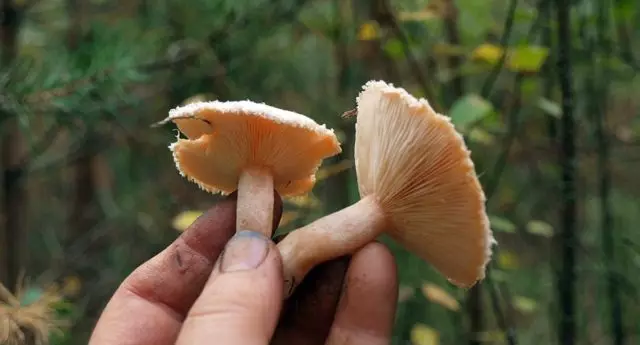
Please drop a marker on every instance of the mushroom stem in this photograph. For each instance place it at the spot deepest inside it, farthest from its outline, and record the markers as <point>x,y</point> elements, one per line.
<point>255,201</point>
<point>332,236</point>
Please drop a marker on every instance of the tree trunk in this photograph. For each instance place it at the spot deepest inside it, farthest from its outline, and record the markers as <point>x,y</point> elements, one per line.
<point>83,210</point>
<point>84,213</point>
<point>14,201</point>
<point>450,19</point>
<point>568,237</point>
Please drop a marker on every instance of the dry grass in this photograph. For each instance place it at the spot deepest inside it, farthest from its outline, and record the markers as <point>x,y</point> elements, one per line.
<point>27,324</point>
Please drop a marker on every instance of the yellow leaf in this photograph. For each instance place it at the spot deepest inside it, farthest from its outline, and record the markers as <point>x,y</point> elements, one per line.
<point>508,260</point>
<point>538,227</point>
<point>369,31</point>
<point>422,334</point>
<point>489,53</point>
<point>418,16</point>
<point>527,58</point>
<point>71,286</point>
<point>183,220</point>
<point>288,217</point>
<point>305,201</point>
<point>334,169</point>
<point>438,295</point>
<point>524,304</point>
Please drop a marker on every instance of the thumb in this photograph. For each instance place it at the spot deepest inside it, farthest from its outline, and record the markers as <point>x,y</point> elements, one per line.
<point>241,302</point>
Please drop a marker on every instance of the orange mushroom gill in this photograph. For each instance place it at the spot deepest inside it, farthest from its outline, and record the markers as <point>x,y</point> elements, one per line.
<point>253,148</point>
<point>417,183</point>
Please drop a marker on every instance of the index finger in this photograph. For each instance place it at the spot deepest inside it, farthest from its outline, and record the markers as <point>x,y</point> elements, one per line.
<point>151,304</point>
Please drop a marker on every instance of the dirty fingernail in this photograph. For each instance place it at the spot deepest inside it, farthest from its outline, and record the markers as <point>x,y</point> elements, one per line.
<point>245,251</point>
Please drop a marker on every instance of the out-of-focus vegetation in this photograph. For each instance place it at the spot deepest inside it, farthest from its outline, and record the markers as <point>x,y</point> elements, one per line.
<point>544,91</point>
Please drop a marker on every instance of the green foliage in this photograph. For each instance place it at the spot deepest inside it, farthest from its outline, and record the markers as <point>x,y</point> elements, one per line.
<point>394,49</point>
<point>527,58</point>
<point>468,110</point>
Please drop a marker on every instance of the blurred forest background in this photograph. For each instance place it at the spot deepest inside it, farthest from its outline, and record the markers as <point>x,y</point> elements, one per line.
<point>546,93</point>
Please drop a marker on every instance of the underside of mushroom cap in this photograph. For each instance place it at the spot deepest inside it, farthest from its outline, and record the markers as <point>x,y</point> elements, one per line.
<point>224,138</point>
<point>420,171</point>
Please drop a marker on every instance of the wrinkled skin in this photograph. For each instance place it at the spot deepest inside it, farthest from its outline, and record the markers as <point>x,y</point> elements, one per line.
<point>348,300</point>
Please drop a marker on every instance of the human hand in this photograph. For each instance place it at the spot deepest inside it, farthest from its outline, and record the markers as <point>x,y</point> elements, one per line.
<point>190,293</point>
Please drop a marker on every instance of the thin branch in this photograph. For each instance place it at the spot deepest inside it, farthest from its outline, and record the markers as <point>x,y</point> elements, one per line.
<point>512,133</point>
<point>490,189</point>
<point>501,319</point>
<point>501,162</point>
<point>487,87</point>
<point>512,126</point>
<point>450,21</point>
<point>568,237</point>
<point>418,73</point>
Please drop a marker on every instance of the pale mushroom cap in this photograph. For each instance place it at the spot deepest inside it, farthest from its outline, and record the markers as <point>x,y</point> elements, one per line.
<point>225,138</point>
<point>417,166</point>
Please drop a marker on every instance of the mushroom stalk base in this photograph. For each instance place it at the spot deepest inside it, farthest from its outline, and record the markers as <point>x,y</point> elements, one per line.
<point>255,201</point>
<point>335,235</point>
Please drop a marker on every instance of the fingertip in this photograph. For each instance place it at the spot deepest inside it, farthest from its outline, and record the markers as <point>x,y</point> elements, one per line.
<point>376,255</point>
<point>368,304</point>
<point>238,296</point>
<point>374,272</point>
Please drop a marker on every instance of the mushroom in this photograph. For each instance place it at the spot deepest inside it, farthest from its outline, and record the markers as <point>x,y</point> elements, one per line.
<point>252,147</point>
<point>417,184</point>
